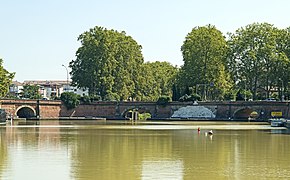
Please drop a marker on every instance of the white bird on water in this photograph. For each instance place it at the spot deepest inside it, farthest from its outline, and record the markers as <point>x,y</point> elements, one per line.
<point>209,133</point>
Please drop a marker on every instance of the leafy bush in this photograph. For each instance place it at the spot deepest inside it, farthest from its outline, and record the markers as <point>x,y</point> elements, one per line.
<point>195,97</point>
<point>192,97</point>
<point>144,116</point>
<point>230,95</point>
<point>242,94</point>
<point>86,99</point>
<point>89,99</point>
<point>163,100</point>
<point>95,98</point>
<point>70,100</point>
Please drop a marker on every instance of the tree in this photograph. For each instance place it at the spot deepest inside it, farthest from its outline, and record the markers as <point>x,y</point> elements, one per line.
<point>70,100</point>
<point>204,52</point>
<point>258,58</point>
<point>107,63</point>
<point>282,61</point>
<point>158,80</point>
<point>5,80</point>
<point>30,92</point>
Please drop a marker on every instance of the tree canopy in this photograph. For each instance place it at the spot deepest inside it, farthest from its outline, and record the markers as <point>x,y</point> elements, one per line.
<point>30,92</point>
<point>204,52</point>
<point>158,80</point>
<point>5,80</point>
<point>259,58</point>
<point>108,64</point>
<point>252,61</point>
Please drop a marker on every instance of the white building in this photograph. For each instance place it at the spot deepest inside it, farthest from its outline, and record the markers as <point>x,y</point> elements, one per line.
<point>47,89</point>
<point>15,88</point>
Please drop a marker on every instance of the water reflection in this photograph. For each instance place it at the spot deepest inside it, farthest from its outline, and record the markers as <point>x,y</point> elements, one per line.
<point>162,170</point>
<point>3,154</point>
<point>68,151</point>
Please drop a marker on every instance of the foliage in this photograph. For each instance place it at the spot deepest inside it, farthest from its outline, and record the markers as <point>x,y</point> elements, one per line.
<point>86,99</point>
<point>70,100</point>
<point>258,56</point>
<point>246,94</point>
<point>5,80</point>
<point>231,95</point>
<point>192,97</point>
<point>275,96</point>
<point>30,92</point>
<point>254,61</point>
<point>204,51</point>
<point>163,100</point>
<point>107,63</point>
<point>112,97</point>
<point>157,79</point>
<point>95,98</point>
<point>144,116</point>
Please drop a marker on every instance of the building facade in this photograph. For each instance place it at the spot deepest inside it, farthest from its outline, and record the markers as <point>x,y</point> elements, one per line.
<point>47,89</point>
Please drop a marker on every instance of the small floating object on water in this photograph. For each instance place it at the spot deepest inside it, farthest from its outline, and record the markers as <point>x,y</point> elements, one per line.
<point>209,133</point>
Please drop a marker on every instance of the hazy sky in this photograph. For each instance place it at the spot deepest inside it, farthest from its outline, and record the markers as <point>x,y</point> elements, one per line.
<point>37,37</point>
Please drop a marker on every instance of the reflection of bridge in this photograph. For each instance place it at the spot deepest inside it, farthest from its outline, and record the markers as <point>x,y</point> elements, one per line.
<point>115,110</point>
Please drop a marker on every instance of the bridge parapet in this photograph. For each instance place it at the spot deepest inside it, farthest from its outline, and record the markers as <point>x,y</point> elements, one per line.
<point>222,109</point>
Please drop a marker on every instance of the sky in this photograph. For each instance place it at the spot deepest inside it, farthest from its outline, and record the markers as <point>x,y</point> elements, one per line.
<point>37,37</point>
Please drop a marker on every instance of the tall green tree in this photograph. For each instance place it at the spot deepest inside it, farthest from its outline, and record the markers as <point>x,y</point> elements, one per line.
<point>158,80</point>
<point>5,80</point>
<point>108,64</point>
<point>257,57</point>
<point>30,92</point>
<point>204,53</point>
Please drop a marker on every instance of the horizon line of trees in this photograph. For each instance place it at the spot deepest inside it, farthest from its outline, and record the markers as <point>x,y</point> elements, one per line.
<point>251,63</point>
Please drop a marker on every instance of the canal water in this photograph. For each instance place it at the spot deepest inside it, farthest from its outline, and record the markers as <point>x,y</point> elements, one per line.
<point>116,151</point>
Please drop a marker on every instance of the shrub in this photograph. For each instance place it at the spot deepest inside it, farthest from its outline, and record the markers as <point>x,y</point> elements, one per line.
<point>70,100</point>
<point>192,97</point>
<point>144,116</point>
<point>86,99</point>
<point>230,95</point>
<point>163,100</point>
<point>95,98</point>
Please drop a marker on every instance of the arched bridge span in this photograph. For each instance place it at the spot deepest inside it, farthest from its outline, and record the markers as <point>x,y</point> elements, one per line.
<point>116,110</point>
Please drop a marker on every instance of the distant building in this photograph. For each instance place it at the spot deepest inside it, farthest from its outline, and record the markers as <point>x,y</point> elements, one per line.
<point>15,88</point>
<point>47,89</point>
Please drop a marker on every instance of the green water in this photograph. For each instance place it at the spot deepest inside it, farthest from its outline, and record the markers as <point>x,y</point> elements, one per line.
<point>77,150</point>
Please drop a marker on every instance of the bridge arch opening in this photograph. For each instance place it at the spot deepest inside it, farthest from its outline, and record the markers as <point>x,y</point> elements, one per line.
<point>143,113</point>
<point>245,114</point>
<point>26,112</point>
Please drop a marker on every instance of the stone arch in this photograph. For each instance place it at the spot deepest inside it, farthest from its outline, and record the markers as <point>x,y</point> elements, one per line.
<point>25,112</point>
<point>140,110</point>
<point>245,113</point>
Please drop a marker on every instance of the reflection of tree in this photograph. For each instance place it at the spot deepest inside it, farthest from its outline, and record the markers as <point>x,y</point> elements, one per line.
<point>3,152</point>
<point>129,154</point>
<point>234,155</point>
<point>114,154</point>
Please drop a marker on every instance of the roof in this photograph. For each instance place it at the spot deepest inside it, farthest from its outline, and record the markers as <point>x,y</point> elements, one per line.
<point>16,83</point>
<point>46,82</point>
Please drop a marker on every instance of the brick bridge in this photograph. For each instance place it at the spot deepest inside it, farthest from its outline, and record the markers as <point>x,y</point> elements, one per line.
<point>116,110</point>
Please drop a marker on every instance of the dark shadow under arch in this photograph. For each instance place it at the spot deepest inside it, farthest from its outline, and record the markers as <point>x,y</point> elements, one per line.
<point>128,112</point>
<point>26,112</point>
<point>244,114</point>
